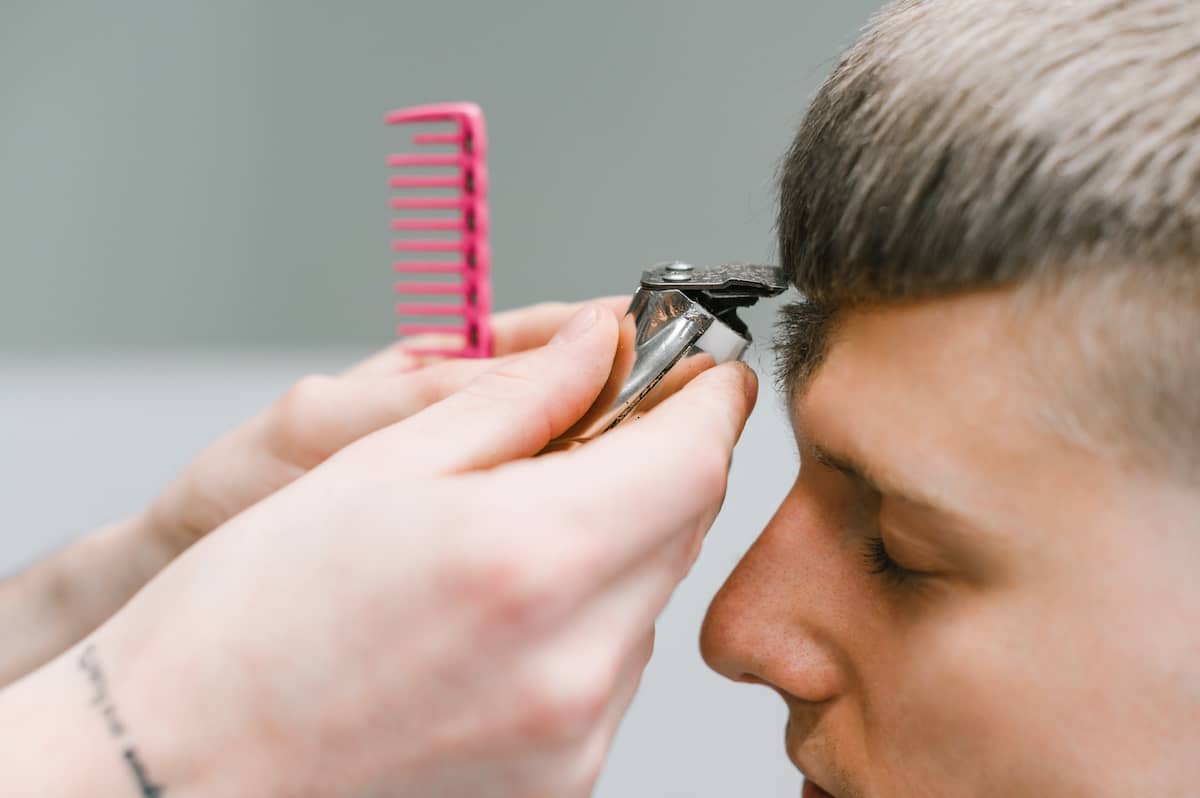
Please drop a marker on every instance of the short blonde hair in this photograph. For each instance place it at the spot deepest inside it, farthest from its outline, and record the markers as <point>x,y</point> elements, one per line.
<point>965,145</point>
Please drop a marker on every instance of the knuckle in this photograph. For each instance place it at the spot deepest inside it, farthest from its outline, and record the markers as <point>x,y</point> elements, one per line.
<point>304,410</point>
<point>308,392</point>
<point>507,591</point>
<point>566,701</point>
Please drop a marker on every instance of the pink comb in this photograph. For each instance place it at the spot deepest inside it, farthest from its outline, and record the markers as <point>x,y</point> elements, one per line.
<point>462,286</point>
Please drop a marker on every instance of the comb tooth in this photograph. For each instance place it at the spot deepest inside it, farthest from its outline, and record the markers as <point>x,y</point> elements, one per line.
<point>430,112</point>
<point>427,245</point>
<point>421,203</point>
<point>426,181</point>
<point>428,267</point>
<point>437,138</point>
<point>425,160</point>
<point>438,352</point>
<point>427,224</point>
<point>430,288</point>
<point>429,309</point>
<point>421,329</point>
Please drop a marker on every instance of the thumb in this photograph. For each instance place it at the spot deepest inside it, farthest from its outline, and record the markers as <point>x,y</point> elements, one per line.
<point>511,411</point>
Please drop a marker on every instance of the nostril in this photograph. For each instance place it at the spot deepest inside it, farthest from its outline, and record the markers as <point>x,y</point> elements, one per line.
<point>748,678</point>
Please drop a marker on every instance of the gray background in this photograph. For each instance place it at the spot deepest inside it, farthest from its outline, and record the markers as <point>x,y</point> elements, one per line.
<point>192,215</point>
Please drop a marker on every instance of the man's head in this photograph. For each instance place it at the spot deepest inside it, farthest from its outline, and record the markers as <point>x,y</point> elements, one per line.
<point>982,582</point>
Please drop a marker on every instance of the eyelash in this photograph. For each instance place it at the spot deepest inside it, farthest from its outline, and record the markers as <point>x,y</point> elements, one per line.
<point>880,563</point>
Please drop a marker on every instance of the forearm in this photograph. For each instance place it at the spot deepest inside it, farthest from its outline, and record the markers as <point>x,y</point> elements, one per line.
<point>55,603</point>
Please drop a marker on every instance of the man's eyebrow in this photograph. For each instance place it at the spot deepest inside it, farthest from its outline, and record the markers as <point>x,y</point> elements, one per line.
<point>865,476</point>
<point>844,466</point>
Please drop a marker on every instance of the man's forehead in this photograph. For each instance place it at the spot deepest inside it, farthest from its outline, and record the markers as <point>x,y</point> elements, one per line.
<point>909,394</point>
<point>980,329</point>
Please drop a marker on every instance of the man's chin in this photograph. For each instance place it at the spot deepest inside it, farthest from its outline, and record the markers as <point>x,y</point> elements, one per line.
<point>816,778</point>
<point>813,790</point>
<point>817,789</point>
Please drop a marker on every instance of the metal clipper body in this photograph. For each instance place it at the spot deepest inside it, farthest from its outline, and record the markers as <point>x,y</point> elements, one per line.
<point>682,321</point>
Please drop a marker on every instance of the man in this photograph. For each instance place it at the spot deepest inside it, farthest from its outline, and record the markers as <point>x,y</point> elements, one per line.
<point>983,580</point>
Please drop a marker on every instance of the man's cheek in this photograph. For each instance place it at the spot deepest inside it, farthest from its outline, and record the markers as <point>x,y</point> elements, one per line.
<point>967,708</point>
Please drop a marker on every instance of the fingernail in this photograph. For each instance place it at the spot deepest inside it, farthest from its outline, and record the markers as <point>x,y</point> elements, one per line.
<point>579,324</point>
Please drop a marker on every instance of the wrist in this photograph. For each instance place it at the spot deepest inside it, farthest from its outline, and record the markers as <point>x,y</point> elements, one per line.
<point>65,733</point>
<point>57,602</point>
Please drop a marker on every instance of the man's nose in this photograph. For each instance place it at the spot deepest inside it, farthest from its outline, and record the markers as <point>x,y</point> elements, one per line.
<point>764,625</point>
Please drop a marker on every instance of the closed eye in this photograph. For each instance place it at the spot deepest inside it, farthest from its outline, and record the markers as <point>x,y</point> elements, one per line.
<point>879,562</point>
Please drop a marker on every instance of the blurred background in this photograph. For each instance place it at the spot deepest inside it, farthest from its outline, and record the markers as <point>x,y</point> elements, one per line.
<point>193,215</point>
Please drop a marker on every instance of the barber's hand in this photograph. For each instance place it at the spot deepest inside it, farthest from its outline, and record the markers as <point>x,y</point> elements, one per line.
<point>431,612</point>
<point>52,605</point>
<point>321,414</point>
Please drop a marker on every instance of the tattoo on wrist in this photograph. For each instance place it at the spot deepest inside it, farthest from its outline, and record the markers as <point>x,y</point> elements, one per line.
<point>102,700</point>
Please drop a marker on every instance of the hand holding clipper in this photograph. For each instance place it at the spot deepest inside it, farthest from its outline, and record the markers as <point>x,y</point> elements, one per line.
<point>682,321</point>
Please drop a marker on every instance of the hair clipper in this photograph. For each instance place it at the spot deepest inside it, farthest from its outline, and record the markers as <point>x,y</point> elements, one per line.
<point>682,321</point>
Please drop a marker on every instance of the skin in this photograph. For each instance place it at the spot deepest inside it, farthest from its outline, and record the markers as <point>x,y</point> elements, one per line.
<point>394,621</point>
<point>1047,645</point>
<point>53,604</point>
